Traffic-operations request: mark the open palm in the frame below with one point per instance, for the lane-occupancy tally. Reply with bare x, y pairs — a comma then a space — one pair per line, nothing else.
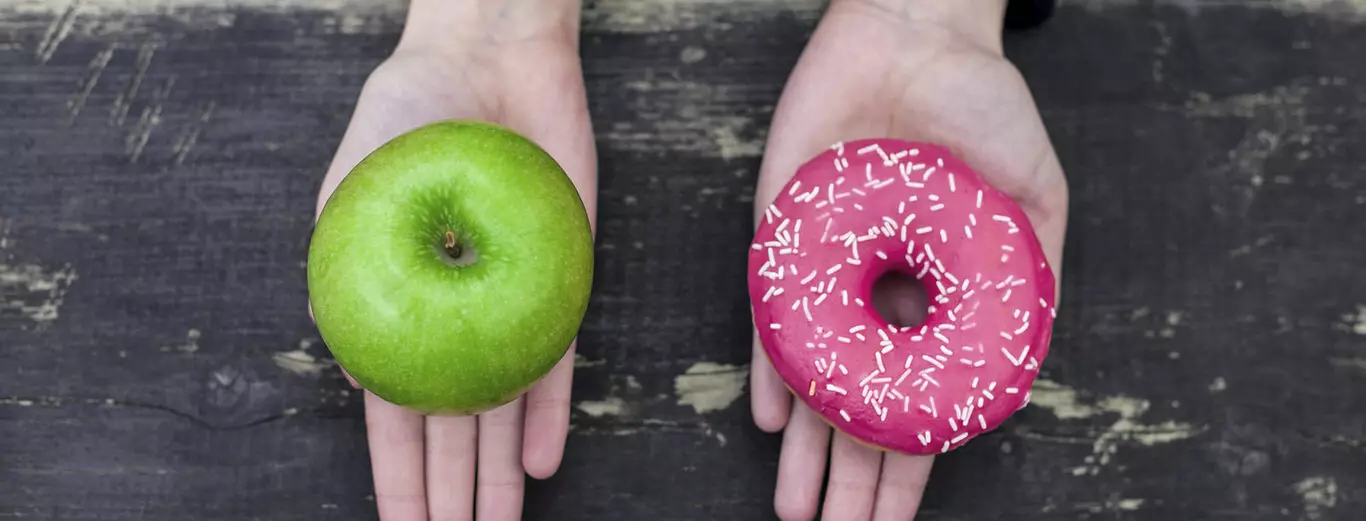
425, 466
870, 72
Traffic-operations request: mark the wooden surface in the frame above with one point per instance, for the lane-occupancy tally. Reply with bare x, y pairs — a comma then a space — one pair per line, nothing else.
160, 165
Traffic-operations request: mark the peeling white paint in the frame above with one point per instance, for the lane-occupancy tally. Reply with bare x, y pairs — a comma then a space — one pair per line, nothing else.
610, 406
34, 291
1356, 323
709, 386
1063, 402
583, 361
1218, 385
1319, 493
614, 404
300, 362
1349, 363
190, 345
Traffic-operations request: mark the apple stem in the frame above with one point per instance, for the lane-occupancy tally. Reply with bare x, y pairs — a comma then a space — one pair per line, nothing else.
452, 247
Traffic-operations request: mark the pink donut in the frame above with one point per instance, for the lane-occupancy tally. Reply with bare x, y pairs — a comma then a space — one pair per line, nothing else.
865, 208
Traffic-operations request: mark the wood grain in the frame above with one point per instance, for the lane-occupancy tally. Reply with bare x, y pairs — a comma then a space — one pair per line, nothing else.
161, 162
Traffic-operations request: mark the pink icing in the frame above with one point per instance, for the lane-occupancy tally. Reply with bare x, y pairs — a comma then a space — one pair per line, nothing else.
858, 211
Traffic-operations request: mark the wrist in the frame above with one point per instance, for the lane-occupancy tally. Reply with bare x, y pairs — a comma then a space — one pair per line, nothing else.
456, 24
981, 21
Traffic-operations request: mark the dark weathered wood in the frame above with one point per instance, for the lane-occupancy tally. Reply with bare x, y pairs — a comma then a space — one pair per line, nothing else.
157, 192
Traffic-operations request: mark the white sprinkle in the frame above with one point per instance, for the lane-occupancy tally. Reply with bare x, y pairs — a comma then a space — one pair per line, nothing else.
836, 389
1007, 336
844, 370
946, 447
844, 297
979, 199
903, 376
820, 299
1007, 295
769, 294
880, 255
953, 424
934, 362
905, 404
866, 379
796, 185
952, 186
943, 236
1012, 390
806, 309
1013, 359
775, 326
883, 416
987, 393
843, 339
974, 382
959, 437
858, 302
844, 415
924, 230
1000, 218
972, 218
982, 420
809, 277
937, 207
934, 411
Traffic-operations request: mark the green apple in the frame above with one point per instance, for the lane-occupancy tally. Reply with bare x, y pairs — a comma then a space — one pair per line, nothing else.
451, 268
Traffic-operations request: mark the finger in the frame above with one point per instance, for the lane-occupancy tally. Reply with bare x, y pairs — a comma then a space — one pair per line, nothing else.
854, 470
396, 440
547, 419
801, 466
451, 451
499, 477
901, 486
769, 400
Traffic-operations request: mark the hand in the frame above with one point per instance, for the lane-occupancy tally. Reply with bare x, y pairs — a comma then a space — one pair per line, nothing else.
512, 62
911, 69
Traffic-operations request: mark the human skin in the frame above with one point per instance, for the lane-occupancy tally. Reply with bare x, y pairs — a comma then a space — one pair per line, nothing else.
925, 70
515, 63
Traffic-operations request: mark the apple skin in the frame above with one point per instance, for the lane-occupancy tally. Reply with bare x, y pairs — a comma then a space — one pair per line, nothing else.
440, 334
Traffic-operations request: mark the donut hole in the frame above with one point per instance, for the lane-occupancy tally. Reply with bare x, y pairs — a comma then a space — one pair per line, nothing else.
900, 299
